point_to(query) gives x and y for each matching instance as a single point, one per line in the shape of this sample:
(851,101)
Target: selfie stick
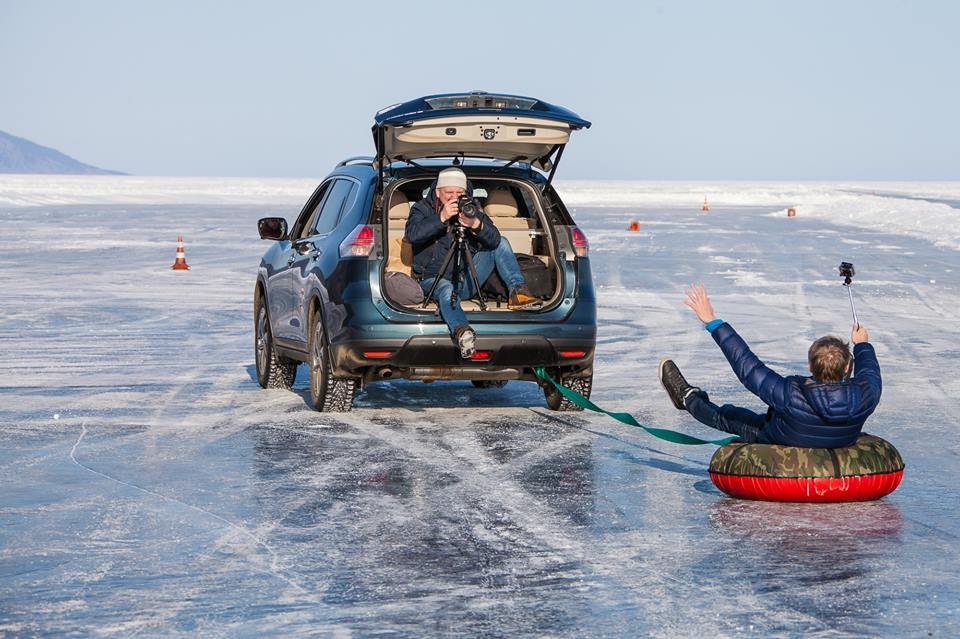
(846,269)
(853,308)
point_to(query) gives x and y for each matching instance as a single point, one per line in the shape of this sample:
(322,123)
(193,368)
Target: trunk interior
(514,208)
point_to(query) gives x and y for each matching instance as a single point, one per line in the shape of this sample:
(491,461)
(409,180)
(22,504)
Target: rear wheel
(489,383)
(327,393)
(556,401)
(273,371)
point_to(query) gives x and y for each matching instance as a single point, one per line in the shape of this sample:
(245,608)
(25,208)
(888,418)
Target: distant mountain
(23,156)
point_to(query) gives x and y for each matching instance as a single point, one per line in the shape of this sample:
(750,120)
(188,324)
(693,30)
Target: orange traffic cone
(706,207)
(181,262)
(634,226)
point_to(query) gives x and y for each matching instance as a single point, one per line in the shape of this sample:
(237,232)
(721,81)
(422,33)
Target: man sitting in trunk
(430,230)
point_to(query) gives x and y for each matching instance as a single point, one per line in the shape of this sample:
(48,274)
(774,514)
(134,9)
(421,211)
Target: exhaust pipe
(385,373)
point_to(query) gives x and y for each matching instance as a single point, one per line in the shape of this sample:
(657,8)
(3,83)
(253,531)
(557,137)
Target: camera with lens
(468,206)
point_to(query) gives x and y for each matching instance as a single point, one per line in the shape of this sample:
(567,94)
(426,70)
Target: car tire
(556,401)
(273,371)
(489,383)
(328,394)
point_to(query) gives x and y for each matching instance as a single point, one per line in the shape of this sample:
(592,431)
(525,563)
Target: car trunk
(513,206)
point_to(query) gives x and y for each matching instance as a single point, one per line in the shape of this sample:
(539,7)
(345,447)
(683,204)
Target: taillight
(359,243)
(572,353)
(580,244)
(481,355)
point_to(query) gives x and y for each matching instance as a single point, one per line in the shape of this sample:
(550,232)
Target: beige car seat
(502,208)
(401,250)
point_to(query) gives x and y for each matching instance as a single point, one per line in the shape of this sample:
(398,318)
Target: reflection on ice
(828,561)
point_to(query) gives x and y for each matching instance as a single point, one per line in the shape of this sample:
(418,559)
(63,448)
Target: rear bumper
(419,345)
(437,357)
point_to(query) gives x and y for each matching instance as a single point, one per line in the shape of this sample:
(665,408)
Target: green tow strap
(627,418)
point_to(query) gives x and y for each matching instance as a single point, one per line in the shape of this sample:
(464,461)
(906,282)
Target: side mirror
(272,228)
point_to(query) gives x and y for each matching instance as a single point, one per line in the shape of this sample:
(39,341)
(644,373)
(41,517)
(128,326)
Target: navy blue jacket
(431,238)
(802,411)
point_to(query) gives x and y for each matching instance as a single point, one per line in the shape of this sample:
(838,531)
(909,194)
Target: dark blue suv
(326,291)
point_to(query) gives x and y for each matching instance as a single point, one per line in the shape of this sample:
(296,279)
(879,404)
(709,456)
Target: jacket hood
(833,403)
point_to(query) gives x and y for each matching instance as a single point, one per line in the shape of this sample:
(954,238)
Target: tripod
(459,252)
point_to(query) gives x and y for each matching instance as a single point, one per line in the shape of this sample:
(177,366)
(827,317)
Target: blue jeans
(744,423)
(501,258)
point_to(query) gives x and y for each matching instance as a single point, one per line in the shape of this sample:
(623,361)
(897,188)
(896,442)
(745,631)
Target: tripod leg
(456,276)
(443,269)
(474,278)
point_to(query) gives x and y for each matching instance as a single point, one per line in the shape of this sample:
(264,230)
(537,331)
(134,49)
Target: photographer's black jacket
(431,238)
(802,411)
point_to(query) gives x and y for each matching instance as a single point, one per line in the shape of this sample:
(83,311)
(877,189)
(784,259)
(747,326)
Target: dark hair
(830,359)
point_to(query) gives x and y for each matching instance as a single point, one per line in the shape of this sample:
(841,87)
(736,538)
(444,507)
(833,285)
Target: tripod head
(459,231)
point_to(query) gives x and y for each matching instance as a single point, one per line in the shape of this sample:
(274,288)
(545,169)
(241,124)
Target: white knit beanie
(452,177)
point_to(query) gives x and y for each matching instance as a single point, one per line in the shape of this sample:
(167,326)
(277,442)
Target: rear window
(340,199)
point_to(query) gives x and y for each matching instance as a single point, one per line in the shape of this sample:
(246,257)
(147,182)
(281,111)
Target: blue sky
(676,90)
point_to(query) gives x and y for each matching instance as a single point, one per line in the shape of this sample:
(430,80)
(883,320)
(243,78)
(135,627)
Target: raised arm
(752,373)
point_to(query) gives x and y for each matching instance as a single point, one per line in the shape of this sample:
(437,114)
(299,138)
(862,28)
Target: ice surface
(151,488)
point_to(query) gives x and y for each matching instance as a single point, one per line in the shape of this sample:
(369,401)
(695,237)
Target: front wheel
(273,371)
(327,393)
(556,401)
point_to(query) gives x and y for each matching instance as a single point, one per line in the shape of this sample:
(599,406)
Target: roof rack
(357,159)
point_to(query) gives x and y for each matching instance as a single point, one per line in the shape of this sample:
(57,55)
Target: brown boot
(520,297)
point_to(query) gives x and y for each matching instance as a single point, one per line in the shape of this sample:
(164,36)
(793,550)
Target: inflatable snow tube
(869,469)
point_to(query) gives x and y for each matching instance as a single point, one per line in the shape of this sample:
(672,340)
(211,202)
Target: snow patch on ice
(749,278)
(48,190)
(929,210)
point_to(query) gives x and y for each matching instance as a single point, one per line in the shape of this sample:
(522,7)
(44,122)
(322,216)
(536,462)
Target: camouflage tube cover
(870,455)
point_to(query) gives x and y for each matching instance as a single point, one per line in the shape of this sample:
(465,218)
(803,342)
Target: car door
(308,249)
(283,286)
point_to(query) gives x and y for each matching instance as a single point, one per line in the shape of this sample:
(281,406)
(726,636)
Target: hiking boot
(521,297)
(677,387)
(466,340)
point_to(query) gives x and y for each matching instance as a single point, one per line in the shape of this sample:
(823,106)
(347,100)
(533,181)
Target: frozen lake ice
(151,488)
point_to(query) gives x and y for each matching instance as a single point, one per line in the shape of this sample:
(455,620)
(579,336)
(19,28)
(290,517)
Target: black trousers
(741,422)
